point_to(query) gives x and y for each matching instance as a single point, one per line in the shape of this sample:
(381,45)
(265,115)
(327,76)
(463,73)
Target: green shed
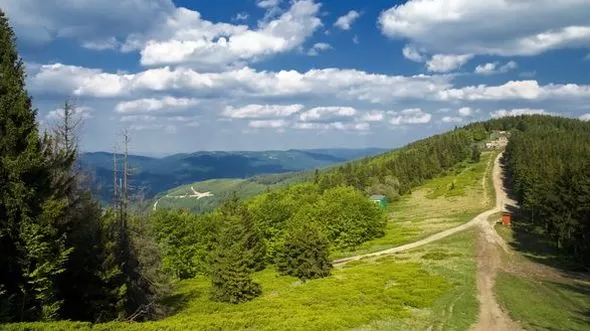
(381,200)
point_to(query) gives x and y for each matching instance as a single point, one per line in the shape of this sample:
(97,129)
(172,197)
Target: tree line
(548,160)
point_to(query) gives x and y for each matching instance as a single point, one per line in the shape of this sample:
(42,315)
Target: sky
(192,75)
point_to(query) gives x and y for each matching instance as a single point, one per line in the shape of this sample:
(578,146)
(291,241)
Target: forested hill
(154,175)
(548,159)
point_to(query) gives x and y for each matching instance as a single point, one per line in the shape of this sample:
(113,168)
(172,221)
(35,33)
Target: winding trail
(479,220)
(491,316)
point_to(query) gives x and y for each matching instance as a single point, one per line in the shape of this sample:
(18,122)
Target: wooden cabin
(506,220)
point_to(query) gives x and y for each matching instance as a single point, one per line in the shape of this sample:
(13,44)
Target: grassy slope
(436,206)
(532,294)
(432,286)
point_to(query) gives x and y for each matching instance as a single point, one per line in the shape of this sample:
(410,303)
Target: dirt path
(478,220)
(491,316)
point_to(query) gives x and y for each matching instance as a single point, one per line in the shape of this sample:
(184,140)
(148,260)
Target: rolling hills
(153,175)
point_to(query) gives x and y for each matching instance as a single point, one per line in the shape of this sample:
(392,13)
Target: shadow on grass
(178,302)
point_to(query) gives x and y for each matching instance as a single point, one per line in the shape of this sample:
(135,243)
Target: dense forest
(548,159)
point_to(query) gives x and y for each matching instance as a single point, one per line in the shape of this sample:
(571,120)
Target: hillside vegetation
(150,176)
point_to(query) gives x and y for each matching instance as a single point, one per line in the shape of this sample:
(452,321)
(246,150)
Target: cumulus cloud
(166,128)
(585,117)
(82,112)
(451,119)
(345,84)
(94,23)
(101,45)
(447,62)
(151,104)
(138,118)
(317,48)
(322,114)
(443,26)
(491,68)
(464,111)
(262,111)
(517,90)
(410,116)
(267,3)
(186,38)
(332,126)
(344,22)
(373,116)
(517,112)
(274,124)
(411,53)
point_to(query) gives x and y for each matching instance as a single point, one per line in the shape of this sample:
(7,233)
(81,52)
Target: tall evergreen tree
(33,249)
(237,255)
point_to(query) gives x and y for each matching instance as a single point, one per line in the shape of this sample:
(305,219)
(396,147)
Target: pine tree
(305,252)
(236,256)
(33,248)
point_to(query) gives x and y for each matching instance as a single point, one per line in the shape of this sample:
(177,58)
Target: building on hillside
(506,219)
(381,200)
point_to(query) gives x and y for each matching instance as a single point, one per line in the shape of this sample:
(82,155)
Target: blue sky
(193,75)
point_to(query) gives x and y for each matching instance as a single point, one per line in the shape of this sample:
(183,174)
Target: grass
(431,287)
(538,288)
(439,204)
(398,292)
(544,305)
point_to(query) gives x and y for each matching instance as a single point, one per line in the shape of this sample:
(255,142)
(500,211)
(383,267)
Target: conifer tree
(237,255)
(305,252)
(33,248)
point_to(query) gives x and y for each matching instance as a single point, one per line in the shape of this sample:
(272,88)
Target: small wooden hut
(506,219)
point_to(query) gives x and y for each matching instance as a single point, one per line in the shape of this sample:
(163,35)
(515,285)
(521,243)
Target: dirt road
(491,316)
(477,221)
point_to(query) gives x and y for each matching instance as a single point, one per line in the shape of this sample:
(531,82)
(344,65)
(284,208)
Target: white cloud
(464,111)
(356,40)
(262,111)
(585,117)
(411,116)
(340,84)
(319,114)
(138,118)
(166,128)
(317,48)
(516,112)
(491,68)
(411,53)
(451,119)
(447,62)
(373,116)
(186,38)
(518,90)
(267,3)
(82,112)
(332,126)
(241,16)
(91,22)
(274,124)
(344,22)
(101,45)
(152,104)
(443,26)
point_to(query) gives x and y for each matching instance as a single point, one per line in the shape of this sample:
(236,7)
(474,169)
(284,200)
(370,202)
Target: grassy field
(439,204)
(542,288)
(433,286)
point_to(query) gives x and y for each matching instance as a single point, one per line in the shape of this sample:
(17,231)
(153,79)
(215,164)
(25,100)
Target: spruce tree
(33,249)
(305,252)
(236,256)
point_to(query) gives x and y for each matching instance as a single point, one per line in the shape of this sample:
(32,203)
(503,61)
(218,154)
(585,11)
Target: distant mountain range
(153,175)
